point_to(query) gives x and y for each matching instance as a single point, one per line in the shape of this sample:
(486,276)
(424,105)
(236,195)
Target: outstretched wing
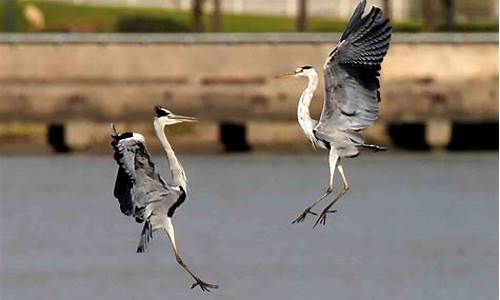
(351,73)
(137,183)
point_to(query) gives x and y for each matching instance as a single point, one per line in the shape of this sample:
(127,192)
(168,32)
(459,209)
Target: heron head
(167,117)
(303,71)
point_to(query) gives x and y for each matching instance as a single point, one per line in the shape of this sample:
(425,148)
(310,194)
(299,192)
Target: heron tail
(146,236)
(373,147)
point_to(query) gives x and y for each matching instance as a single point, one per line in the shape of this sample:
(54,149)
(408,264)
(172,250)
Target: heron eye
(162,112)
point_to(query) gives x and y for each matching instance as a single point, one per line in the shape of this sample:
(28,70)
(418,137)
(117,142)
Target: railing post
(302,16)
(197,15)
(217,17)
(387,9)
(450,14)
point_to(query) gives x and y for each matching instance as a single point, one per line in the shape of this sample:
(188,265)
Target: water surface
(414,226)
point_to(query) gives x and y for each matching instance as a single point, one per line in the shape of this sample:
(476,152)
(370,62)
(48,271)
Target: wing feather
(351,75)
(122,191)
(355,20)
(139,188)
(125,147)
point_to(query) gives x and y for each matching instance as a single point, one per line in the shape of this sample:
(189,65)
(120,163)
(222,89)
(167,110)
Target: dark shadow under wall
(408,136)
(233,137)
(56,138)
(465,136)
(483,136)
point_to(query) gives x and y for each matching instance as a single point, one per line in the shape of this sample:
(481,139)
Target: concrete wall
(233,81)
(431,79)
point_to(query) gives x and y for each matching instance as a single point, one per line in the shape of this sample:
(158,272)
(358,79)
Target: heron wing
(137,183)
(351,74)
(125,147)
(151,194)
(122,191)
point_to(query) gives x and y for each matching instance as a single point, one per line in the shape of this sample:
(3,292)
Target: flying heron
(352,95)
(143,193)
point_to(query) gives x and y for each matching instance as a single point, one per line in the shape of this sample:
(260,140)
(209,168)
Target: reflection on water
(414,226)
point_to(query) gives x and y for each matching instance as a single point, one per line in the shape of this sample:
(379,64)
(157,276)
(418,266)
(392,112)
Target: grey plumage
(142,193)
(351,81)
(139,188)
(351,76)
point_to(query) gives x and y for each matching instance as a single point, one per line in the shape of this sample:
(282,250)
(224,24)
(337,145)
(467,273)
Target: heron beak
(283,76)
(183,118)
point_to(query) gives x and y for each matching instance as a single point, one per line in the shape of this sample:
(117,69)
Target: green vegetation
(63,17)
(150,24)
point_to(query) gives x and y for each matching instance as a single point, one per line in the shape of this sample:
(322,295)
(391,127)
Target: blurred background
(71,67)
(240,15)
(419,222)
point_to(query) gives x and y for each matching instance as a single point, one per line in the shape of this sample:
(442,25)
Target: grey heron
(352,96)
(143,193)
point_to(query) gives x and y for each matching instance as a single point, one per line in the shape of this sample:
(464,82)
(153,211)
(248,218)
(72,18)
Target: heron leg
(322,218)
(169,228)
(332,162)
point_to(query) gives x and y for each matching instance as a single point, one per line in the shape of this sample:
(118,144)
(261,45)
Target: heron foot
(203,285)
(303,215)
(322,218)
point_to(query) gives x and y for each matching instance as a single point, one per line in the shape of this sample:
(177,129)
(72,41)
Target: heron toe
(203,285)
(322,218)
(303,215)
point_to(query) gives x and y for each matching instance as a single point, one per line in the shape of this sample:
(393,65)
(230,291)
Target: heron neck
(177,172)
(304,117)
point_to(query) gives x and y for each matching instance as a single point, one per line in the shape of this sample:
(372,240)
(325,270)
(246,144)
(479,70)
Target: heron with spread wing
(352,96)
(142,193)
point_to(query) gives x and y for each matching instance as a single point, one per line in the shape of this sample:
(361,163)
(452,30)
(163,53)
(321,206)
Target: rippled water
(414,226)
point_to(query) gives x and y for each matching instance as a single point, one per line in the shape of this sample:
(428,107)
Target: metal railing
(232,38)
